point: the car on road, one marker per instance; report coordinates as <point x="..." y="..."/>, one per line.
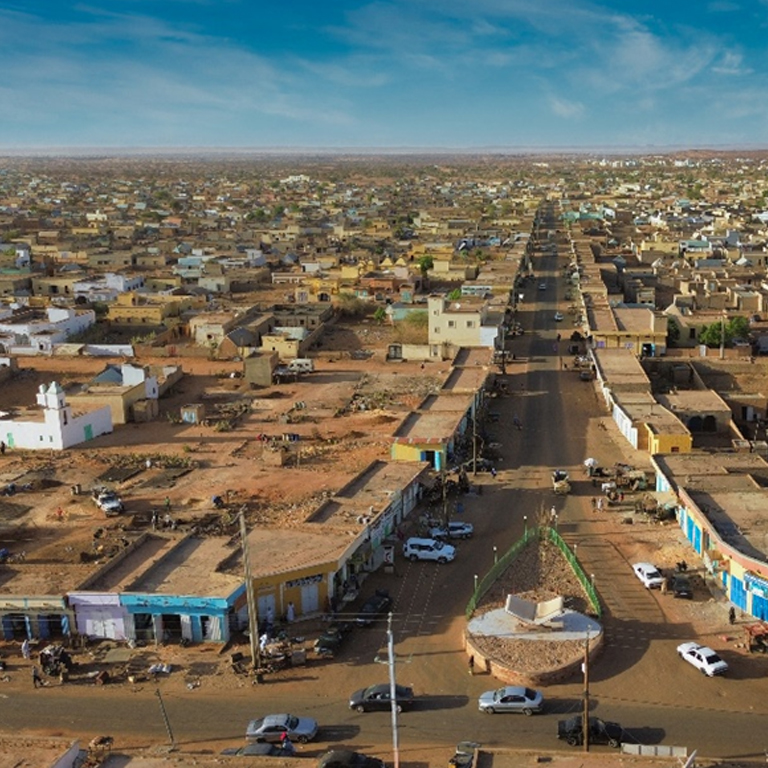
<point x="373" y="608"/>
<point x="600" y="731"/>
<point x="256" y="750"/>
<point x="542" y="286"/>
<point x="681" y="586"/>
<point x="558" y="316"/>
<point x="428" y="549"/>
<point x="346" y="758"/>
<point x="511" y="698"/>
<point x="377" y="697"/>
<point x="649" y="575"/>
<point x="703" y="658"/>
<point x="456" y="529"/>
<point x="272" y="727"/>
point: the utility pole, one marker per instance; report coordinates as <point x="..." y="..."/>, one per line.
<point x="445" y="495"/>
<point x="474" y="437"/>
<point x="722" y="334"/>
<point x="167" y="722"/>
<point x="253" y="617"/>
<point x="585" y="715"/>
<point x="390" y="662"/>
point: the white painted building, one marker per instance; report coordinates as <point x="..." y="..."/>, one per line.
<point x="57" y="427"/>
<point x="35" y="334"/>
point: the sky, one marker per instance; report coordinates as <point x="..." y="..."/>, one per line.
<point x="396" y="74"/>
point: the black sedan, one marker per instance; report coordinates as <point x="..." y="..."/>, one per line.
<point x="681" y="586"/>
<point x="346" y="758"/>
<point x="378" y="697"/>
<point x="600" y="731"/>
<point x="374" y="607"/>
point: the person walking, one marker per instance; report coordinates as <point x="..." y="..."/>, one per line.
<point x="37" y="679"/>
<point x="471" y="664"/>
<point x="25" y="651"/>
<point x="167" y="504"/>
<point x="731" y="615"/>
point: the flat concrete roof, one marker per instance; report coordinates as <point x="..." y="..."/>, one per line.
<point x="634" y="319"/>
<point x="620" y="367"/>
<point x="430" y="427"/>
<point x="694" y="400"/>
<point x="190" y="569"/>
<point x="730" y="489"/>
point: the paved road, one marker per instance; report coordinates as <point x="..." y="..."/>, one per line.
<point x="638" y="681"/>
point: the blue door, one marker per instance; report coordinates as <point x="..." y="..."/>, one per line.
<point x="697" y="539"/>
<point x="759" y="607"/>
<point x="689" y="528"/>
<point x="738" y="593"/>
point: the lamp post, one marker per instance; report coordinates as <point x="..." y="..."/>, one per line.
<point x="525" y="526"/>
<point x="475" y="582"/>
<point x="495" y="555"/>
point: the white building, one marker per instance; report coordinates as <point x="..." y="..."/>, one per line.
<point x="57" y="427"/>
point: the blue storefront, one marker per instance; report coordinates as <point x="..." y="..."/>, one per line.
<point x="168" y="618"/>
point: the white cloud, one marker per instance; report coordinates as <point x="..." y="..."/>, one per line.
<point x="564" y="108"/>
<point x="731" y="64"/>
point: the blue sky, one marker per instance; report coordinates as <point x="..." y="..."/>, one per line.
<point x="389" y="73"/>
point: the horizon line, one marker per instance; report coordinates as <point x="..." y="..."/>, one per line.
<point x="92" y="150"/>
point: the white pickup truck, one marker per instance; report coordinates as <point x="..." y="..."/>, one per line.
<point x="109" y="502"/>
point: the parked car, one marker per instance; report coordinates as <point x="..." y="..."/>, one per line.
<point x="377" y="697"/>
<point x="600" y="731"/>
<point x="703" y="658"/>
<point x="428" y="549"/>
<point x="256" y="750"/>
<point x="108" y="502"/>
<point x="346" y="758"/>
<point x="558" y="316"/>
<point x="542" y="286"/>
<point x="455" y="530"/>
<point x="272" y="727"/>
<point x="512" y="698"/>
<point x="649" y="575"/>
<point x="374" y="607"/>
<point x="681" y="586"/>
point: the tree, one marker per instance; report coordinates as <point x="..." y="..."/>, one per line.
<point x="673" y="332"/>
<point x="735" y="328"/>
<point x="455" y="294"/>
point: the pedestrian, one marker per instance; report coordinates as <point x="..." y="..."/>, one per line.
<point x="37" y="679"/>
<point x="731" y="615"/>
<point x="25" y="652"/>
<point x="59" y="514"/>
<point x="149" y="463"/>
<point x="286" y="744"/>
<point x="2" y="447"/>
<point x="290" y="613"/>
<point x="663" y="588"/>
<point x="154" y="520"/>
<point x="493" y="471"/>
<point x="167" y="504"/>
<point x="594" y="504"/>
<point x="621" y="497"/>
<point x="600" y="504"/>
<point x="471" y="664"/>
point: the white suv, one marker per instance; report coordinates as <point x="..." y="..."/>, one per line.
<point x="649" y="575"/>
<point x="428" y="549"/>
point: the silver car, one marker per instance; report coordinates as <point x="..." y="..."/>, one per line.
<point x="272" y="727"/>
<point x="511" y="698"/>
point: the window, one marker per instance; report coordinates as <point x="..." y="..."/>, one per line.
<point x="470" y="323"/>
<point x="451" y="324"/>
<point x="437" y="329"/>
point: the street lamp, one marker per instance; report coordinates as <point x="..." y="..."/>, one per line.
<point x="525" y="526"/>
<point x="475" y="582"/>
<point x="495" y="555"/>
